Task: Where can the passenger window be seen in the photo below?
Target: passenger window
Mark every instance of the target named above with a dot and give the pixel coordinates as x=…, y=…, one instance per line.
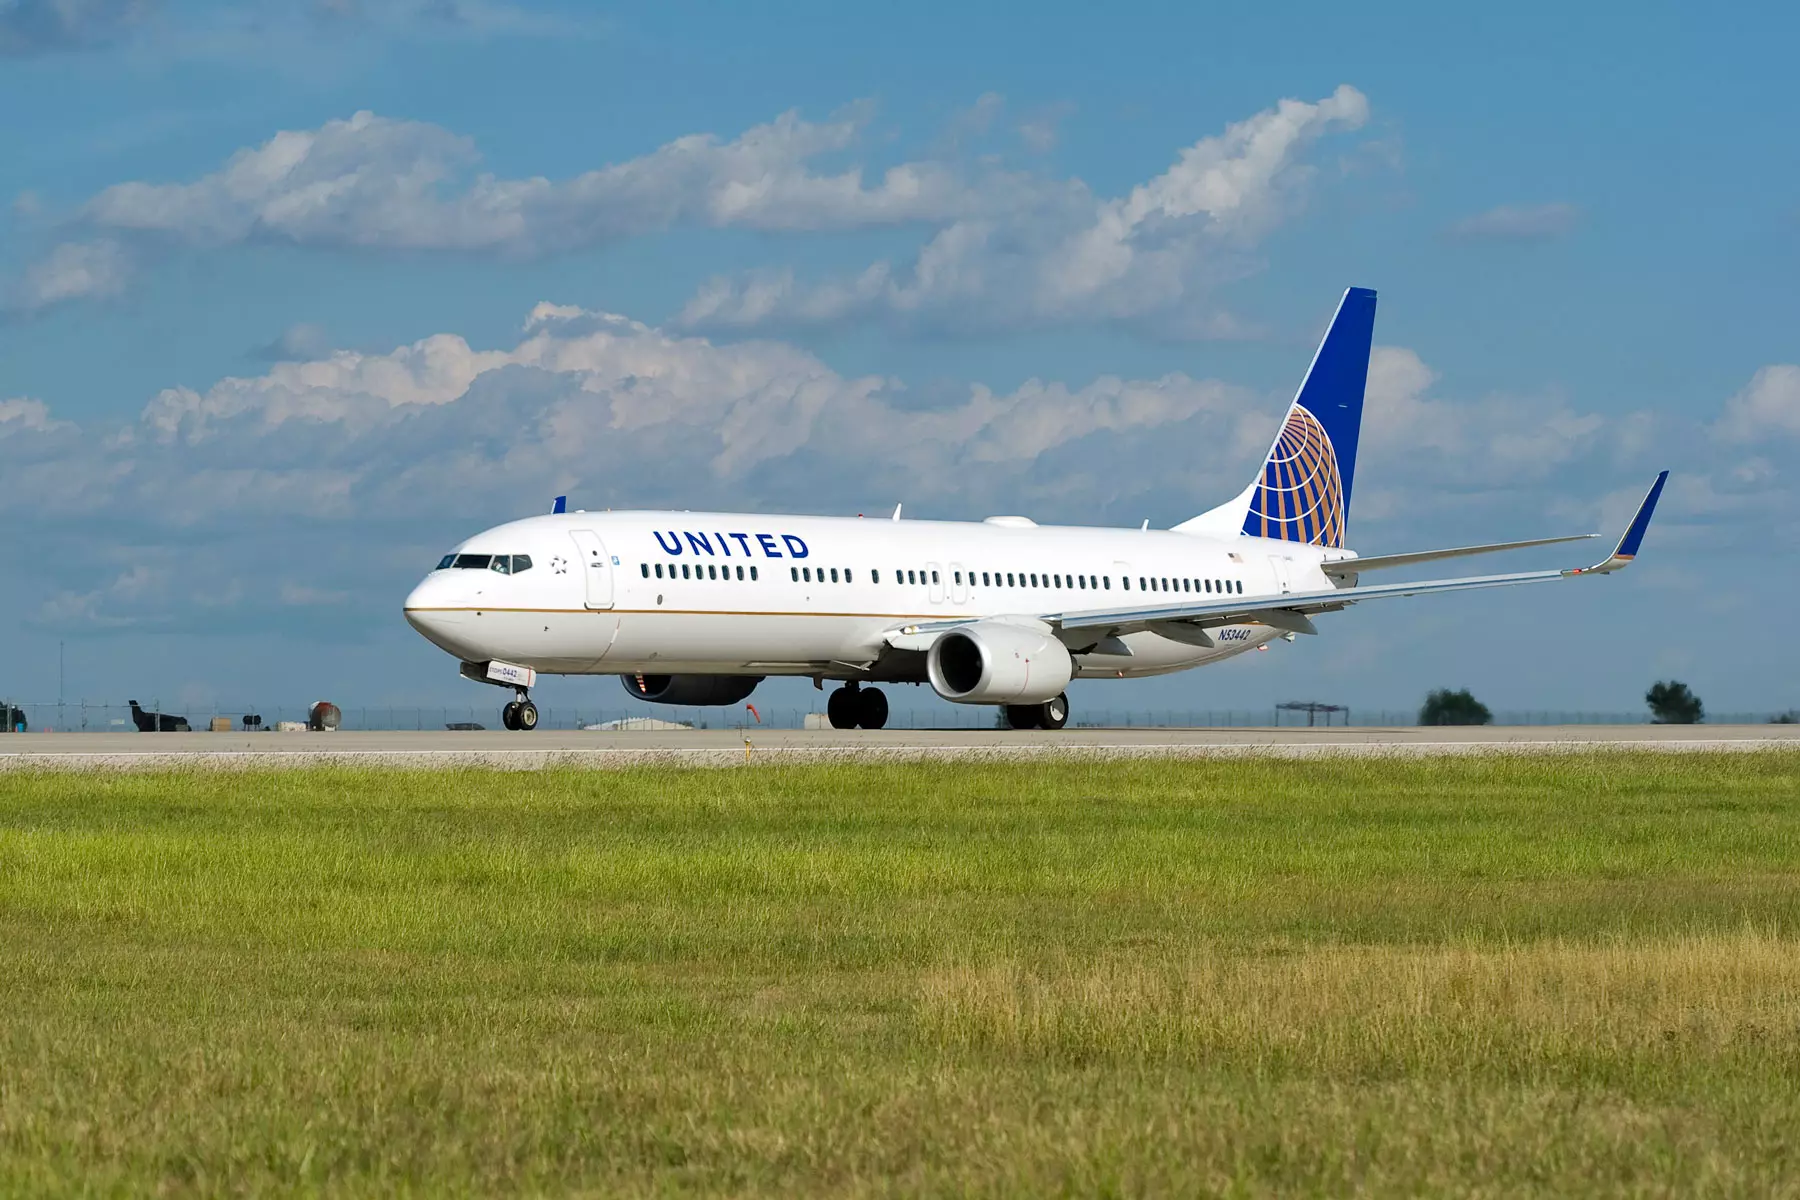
x=795, y=572
x=712, y=572
x=985, y=582
x=847, y=575
x=740, y=572
x=753, y=574
x=645, y=568
x=1209, y=584
x=912, y=577
x=934, y=577
x=684, y=571
x=874, y=575
x=956, y=576
x=1106, y=582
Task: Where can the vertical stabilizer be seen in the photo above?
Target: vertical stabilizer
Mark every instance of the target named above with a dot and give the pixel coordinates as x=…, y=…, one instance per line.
x=1302, y=493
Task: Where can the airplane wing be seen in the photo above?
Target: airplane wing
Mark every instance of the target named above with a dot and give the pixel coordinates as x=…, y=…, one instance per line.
x=1291, y=610
x=1340, y=567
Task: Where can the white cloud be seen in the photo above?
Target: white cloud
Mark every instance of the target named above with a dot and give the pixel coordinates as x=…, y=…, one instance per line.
x=1768, y=404
x=373, y=181
x=1155, y=252
x=30, y=27
x=22, y=414
x=72, y=271
x=1518, y=223
x=330, y=461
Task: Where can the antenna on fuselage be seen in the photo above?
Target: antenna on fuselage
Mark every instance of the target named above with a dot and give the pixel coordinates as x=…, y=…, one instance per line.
x=896, y=512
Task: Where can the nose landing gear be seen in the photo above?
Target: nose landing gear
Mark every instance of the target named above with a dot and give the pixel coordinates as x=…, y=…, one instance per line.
x=854, y=705
x=520, y=714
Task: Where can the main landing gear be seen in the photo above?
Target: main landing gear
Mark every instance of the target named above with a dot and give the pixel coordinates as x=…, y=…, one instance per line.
x=854, y=705
x=521, y=713
x=1051, y=714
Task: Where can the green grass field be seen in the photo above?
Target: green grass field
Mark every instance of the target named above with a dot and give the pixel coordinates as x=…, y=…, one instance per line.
x=1500, y=975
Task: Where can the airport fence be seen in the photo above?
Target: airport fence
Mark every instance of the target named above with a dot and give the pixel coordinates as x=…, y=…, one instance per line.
x=85, y=716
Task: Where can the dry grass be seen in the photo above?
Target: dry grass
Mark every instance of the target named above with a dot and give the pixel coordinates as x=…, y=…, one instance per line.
x=1548, y=1009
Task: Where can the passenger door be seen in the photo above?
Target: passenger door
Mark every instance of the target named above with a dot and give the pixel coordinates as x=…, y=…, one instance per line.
x=934, y=576
x=596, y=567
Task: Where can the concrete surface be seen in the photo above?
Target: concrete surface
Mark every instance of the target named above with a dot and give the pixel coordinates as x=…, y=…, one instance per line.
x=138, y=751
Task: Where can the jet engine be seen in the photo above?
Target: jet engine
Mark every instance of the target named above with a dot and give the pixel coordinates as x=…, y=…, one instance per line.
x=706, y=690
x=992, y=662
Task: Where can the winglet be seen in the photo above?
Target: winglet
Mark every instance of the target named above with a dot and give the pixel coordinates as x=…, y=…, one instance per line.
x=1634, y=534
x=561, y=505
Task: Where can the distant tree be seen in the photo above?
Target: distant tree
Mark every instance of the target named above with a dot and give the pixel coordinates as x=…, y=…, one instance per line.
x=1671, y=703
x=1790, y=717
x=1445, y=707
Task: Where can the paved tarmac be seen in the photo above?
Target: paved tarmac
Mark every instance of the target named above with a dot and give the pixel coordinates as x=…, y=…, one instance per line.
x=728, y=747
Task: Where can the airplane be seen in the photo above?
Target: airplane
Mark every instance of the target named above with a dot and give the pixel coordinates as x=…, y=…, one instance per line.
x=698, y=608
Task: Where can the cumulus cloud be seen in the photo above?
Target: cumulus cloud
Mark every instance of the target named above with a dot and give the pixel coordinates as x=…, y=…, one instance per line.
x=1518, y=223
x=1768, y=404
x=1005, y=246
x=296, y=482
x=30, y=27
x=378, y=182
x=297, y=342
x=72, y=271
x=1474, y=442
x=1063, y=254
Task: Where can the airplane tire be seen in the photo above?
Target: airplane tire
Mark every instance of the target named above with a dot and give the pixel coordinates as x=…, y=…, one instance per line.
x=1054, y=714
x=527, y=717
x=509, y=716
x=841, y=708
x=1024, y=716
x=871, y=708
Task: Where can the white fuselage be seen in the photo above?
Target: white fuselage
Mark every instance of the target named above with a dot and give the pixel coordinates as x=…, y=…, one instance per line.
x=736, y=594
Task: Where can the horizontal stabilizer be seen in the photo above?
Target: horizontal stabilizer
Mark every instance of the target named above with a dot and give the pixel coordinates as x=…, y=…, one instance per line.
x=1379, y=562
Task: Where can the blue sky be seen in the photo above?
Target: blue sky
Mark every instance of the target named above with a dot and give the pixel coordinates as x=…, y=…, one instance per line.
x=271, y=335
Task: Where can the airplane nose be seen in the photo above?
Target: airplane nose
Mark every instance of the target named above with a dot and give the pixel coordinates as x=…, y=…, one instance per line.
x=433, y=608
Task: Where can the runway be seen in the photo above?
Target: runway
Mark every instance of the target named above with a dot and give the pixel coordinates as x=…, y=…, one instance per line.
x=730, y=747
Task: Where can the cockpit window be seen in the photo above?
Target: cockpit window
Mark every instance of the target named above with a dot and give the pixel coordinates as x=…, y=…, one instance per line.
x=502, y=563
x=446, y=562
x=521, y=562
x=472, y=562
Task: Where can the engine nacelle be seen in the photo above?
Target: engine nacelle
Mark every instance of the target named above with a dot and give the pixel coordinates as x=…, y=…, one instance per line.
x=707, y=690
x=992, y=662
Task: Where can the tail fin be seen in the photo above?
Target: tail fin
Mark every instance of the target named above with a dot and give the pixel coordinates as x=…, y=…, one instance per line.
x=1302, y=493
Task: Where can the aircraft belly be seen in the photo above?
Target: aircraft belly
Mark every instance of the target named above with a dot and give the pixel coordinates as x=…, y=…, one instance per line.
x=733, y=641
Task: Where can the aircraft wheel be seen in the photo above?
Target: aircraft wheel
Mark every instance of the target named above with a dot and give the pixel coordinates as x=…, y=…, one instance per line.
x=509, y=716
x=526, y=718
x=1024, y=716
x=840, y=710
x=871, y=708
x=1054, y=714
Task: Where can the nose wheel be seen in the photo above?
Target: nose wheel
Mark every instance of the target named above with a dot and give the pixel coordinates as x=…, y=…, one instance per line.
x=520, y=714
